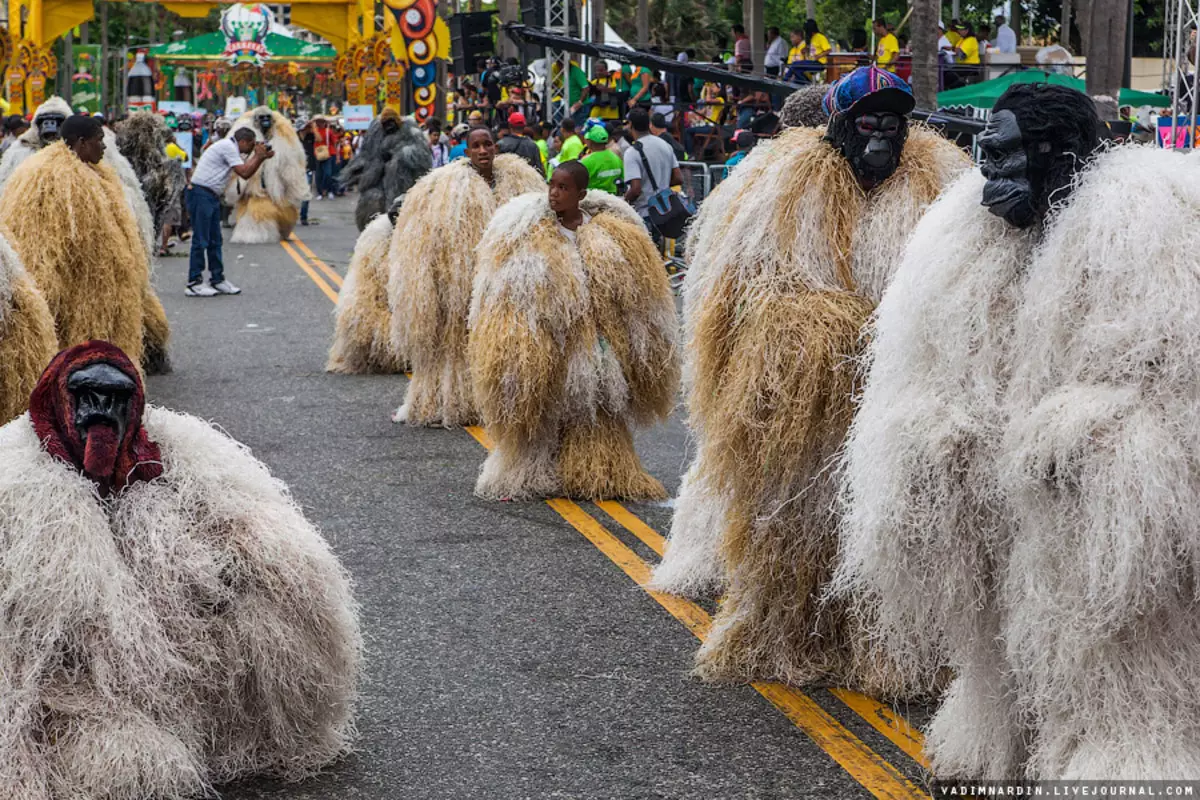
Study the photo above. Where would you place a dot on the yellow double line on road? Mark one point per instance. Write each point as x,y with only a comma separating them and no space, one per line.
863,764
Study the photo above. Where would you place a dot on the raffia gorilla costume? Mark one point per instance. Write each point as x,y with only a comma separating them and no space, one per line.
78,239
394,154
156,636
804,108
27,339
432,266
142,139
794,268
268,203
48,121
362,337
571,344
1022,478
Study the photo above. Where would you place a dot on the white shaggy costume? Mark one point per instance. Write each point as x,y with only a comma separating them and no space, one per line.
185,631
790,280
267,204
431,265
573,341
362,337
1022,478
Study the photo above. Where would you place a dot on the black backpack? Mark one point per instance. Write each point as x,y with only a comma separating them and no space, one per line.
669,211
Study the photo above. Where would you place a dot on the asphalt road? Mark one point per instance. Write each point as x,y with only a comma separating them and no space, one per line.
508,656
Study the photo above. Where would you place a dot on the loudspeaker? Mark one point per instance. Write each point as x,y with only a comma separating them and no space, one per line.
533,13
470,40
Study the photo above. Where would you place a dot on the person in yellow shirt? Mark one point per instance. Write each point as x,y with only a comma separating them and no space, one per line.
818,45
967,48
887,47
952,34
799,51
175,151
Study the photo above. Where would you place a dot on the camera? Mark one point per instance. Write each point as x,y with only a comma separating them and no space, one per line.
512,75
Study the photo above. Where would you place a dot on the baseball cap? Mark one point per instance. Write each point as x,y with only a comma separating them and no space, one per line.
475,116
460,129
869,89
596,134
516,120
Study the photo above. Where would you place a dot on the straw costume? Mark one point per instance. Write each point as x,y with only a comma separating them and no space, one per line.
572,343
393,155
792,278
158,637
362,338
432,266
75,234
27,339
268,203
142,139
1021,480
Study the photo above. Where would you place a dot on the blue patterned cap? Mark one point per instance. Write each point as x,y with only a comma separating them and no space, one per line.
869,89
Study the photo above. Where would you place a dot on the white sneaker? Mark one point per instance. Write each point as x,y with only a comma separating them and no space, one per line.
225,287
200,290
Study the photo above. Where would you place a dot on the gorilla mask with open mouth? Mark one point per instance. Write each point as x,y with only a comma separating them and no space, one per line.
87,411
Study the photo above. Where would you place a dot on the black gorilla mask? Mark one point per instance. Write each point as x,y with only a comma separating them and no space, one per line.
390,126
872,142
1008,193
49,126
1038,139
101,395
264,123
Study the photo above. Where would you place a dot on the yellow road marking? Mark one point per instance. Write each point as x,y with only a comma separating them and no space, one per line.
863,764
883,719
321,284
321,265
633,523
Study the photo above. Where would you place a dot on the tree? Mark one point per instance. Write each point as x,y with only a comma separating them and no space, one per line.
1104,37
924,39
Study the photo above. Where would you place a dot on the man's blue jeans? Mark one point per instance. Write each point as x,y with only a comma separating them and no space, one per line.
205,209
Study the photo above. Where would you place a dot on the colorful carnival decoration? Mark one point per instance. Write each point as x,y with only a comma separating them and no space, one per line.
422,39
246,28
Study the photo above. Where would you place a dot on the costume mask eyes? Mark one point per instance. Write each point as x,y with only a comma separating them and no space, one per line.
885,126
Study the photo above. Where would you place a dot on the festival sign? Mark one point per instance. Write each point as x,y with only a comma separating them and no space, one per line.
358,117
246,28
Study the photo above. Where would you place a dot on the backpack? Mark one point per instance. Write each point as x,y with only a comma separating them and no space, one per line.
669,211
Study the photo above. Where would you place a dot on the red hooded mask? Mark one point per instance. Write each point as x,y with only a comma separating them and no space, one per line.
110,460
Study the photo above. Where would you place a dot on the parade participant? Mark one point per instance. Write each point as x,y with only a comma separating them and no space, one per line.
158,637
362,338
27,338
393,155
267,204
67,218
143,139
804,108
790,279
1021,479
432,265
573,341
48,121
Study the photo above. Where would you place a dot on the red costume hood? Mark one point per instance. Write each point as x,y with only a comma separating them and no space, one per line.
110,464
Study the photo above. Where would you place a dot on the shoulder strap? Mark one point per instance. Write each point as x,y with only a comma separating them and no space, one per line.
646,166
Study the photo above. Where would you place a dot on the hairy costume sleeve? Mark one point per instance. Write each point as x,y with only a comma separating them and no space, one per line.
528,301
917,519
27,339
291,637
1101,455
634,307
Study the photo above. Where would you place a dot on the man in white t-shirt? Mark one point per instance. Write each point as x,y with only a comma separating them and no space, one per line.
663,173
204,207
1006,38
777,50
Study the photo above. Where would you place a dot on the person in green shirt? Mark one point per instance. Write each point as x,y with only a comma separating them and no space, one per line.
572,145
636,81
543,133
605,168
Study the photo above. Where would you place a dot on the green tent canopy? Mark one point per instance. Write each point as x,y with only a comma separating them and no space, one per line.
985,95
211,47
